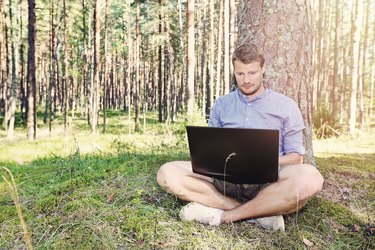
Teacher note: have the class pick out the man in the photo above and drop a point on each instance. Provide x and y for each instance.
(251, 105)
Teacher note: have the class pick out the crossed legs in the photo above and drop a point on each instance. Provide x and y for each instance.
(296, 184)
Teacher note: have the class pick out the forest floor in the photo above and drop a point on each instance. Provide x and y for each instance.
(87, 191)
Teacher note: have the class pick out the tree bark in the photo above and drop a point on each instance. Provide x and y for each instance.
(335, 73)
(211, 62)
(31, 72)
(137, 66)
(218, 89)
(95, 90)
(357, 22)
(65, 66)
(190, 58)
(160, 69)
(226, 46)
(105, 62)
(283, 30)
(10, 117)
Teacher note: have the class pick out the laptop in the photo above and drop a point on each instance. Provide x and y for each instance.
(237, 155)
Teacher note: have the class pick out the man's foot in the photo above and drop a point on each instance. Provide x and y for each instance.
(273, 222)
(201, 213)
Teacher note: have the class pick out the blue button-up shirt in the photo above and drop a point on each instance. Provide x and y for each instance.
(270, 110)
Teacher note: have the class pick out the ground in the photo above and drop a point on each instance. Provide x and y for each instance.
(100, 192)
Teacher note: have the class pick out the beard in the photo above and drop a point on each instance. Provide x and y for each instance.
(249, 91)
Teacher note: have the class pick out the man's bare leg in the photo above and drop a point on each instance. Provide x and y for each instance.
(178, 178)
(296, 184)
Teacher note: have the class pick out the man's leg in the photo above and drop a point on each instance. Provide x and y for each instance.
(178, 178)
(296, 184)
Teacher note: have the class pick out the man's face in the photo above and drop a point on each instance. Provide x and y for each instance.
(249, 78)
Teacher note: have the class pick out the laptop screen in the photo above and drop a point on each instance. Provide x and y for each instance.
(237, 155)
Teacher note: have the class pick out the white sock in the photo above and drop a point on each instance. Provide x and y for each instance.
(272, 222)
(201, 213)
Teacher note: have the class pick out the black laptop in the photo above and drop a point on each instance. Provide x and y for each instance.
(237, 155)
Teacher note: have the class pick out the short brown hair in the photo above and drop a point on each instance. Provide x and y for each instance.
(248, 53)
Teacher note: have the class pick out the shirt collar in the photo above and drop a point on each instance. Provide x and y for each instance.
(244, 99)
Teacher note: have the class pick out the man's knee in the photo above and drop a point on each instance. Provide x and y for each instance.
(305, 180)
(309, 182)
(163, 174)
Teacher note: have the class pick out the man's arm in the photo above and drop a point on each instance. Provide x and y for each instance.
(290, 159)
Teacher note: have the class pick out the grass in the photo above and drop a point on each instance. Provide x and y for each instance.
(100, 192)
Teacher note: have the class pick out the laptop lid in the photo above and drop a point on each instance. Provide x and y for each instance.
(237, 155)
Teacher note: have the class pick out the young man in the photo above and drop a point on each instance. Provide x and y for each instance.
(251, 105)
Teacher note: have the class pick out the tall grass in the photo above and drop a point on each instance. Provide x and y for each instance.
(16, 199)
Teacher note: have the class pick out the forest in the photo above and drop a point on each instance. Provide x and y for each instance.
(82, 58)
(95, 96)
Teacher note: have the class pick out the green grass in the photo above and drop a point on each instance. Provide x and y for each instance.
(100, 192)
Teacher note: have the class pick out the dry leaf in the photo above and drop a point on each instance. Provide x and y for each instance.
(356, 228)
(110, 198)
(307, 242)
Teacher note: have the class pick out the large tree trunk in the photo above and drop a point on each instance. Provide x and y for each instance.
(31, 68)
(283, 30)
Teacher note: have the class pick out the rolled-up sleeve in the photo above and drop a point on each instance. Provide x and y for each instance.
(293, 132)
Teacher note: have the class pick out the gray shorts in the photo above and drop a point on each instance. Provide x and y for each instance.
(240, 192)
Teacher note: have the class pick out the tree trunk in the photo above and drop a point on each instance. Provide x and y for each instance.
(190, 58)
(137, 66)
(160, 69)
(284, 32)
(2, 65)
(31, 71)
(362, 71)
(357, 22)
(210, 88)
(65, 64)
(372, 75)
(83, 84)
(10, 118)
(219, 52)
(232, 38)
(95, 90)
(105, 62)
(226, 46)
(335, 73)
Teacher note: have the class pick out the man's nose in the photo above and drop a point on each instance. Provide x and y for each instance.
(247, 78)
